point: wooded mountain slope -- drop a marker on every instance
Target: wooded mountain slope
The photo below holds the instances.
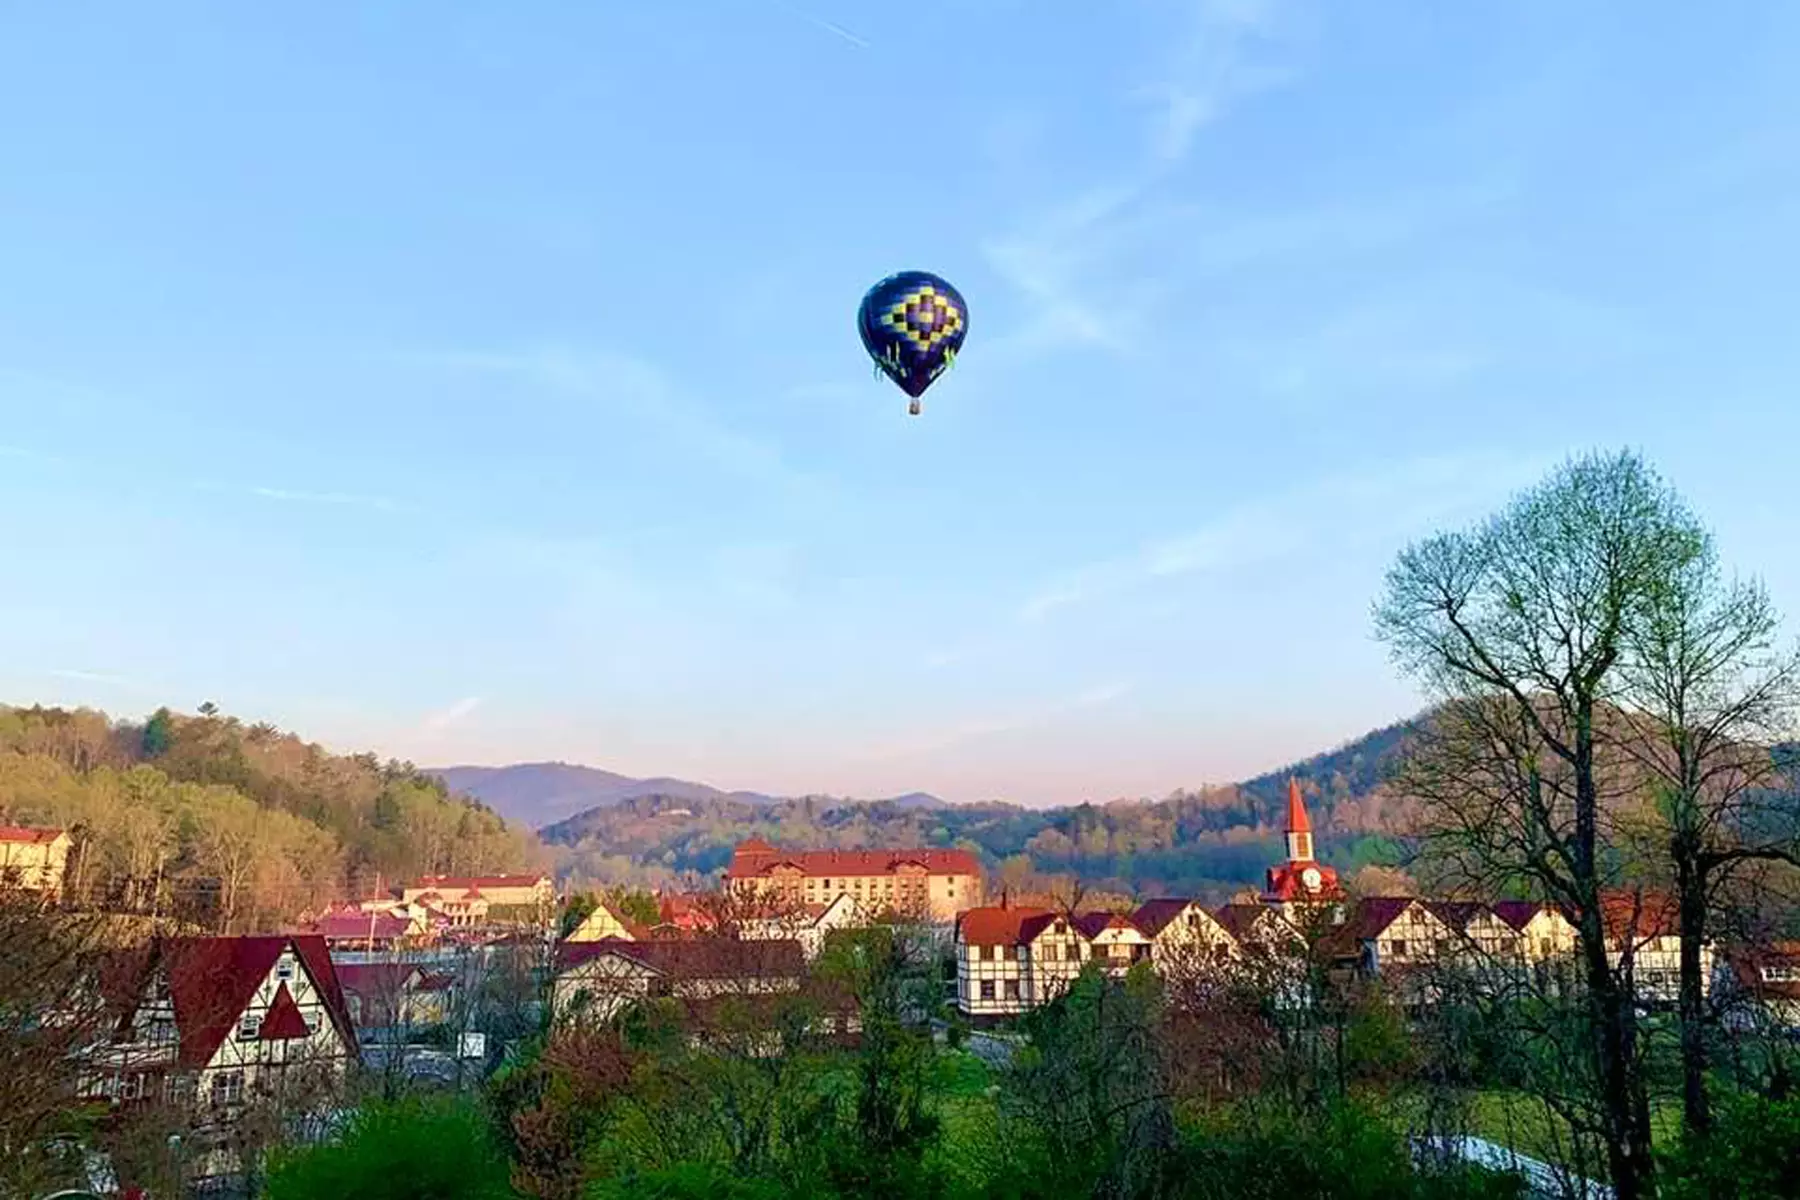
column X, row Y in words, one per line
column 1211, row 841
column 238, row 827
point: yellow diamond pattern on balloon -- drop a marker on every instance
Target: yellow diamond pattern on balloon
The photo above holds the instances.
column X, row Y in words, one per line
column 924, row 317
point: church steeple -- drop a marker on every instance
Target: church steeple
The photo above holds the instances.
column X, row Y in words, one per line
column 1299, row 825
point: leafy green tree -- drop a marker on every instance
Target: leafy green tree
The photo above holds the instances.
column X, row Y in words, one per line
column 159, row 733
column 407, row 1150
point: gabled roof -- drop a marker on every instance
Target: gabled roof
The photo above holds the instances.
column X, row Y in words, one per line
column 1518, row 913
column 1093, row 924
column 699, row 958
column 1244, row 921
column 1747, row 963
column 997, row 926
column 1153, row 916
column 756, row 858
column 283, row 1021
column 29, row 835
column 1458, row 914
column 346, row 926
column 376, row 981
column 212, row 980
column 1370, row 918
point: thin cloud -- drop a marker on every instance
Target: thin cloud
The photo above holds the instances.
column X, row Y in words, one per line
column 444, row 719
column 821, row 23
column 1383, row 500
column 643, row 390
column 1072, row 264
column 345, row 499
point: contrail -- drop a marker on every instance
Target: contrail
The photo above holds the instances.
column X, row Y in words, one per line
column 822, row 23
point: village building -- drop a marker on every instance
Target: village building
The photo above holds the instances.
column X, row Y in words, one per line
column 594, row 980
column 807, row 924
column 219, row 1021
column 1301, row 886
column 684, row 914
column 1643, row 940
column 532, row 893
column 605, row 923
column 1113, row 940
column 388, row 998
column 1010, row 959
column 1259, row 930
column 34, row 859
column 1392, row 933
column 1761, row 986
column 1545, row 934
column 371, row 929
column 1181, row 930
column 933, row 885
column 1481, row 936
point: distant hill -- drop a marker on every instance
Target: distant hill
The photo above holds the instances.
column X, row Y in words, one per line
column 1210, row 841
column 544, row 794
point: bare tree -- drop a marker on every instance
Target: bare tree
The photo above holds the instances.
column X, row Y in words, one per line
column 51, row 1012
column 1707, row 691
column 1520, row 627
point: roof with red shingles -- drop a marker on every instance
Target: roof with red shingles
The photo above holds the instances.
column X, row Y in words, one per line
column 350, row 926
column 1638, row 917
column 756, row 858
column 212, row 980
column 28, row 835
column 283, row 1021
column 1002, row 926
column 1518, row 913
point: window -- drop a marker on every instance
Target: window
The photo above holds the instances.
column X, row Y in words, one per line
column 131, row 1087
column 1012, row 989
column 162, row 1031
column 1019, row 953
column 228, row 1088
column 1053, row 952
column 285, row 968
column 249, row 1025
column 987, row 989
column 1400, row 948
column 1781, row 974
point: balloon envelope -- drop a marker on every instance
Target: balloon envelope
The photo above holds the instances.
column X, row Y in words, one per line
column 912, row 325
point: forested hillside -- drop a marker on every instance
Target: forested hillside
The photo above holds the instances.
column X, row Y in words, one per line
column 237, row 826
column 1210, row 841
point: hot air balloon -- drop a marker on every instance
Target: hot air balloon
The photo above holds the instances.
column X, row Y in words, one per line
column 912, row 325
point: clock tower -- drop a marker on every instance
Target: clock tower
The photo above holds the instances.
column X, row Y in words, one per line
column 1301, row 879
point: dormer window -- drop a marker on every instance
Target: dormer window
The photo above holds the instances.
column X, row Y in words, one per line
column 249, row 1026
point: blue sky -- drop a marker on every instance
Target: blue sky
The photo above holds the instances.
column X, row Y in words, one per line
column 479, row 383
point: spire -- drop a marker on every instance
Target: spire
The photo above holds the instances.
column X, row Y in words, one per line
column 1297, row 820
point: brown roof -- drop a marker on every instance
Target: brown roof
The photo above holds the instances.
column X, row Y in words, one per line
column 1518, row 913
column 348, row 926
column 996, row 926
column 1093, row 924
column 1240, row 920
column 1371, row 917
column 698, row 958
column 28, row 835
column 1153, row 916
column 757, row 858
column 1457, row 914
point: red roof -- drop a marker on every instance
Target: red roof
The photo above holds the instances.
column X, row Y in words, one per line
column 212, row 979
column 1631, row 917
column 283, row 1021
column 757, row 858
column 1297, row 820
column 996, row 926
column 1286, row 883
column 28, row 835
column 352, row 926
column 467, row 882
column 1457, row 914
column 1518, row 913
column 704, row 958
